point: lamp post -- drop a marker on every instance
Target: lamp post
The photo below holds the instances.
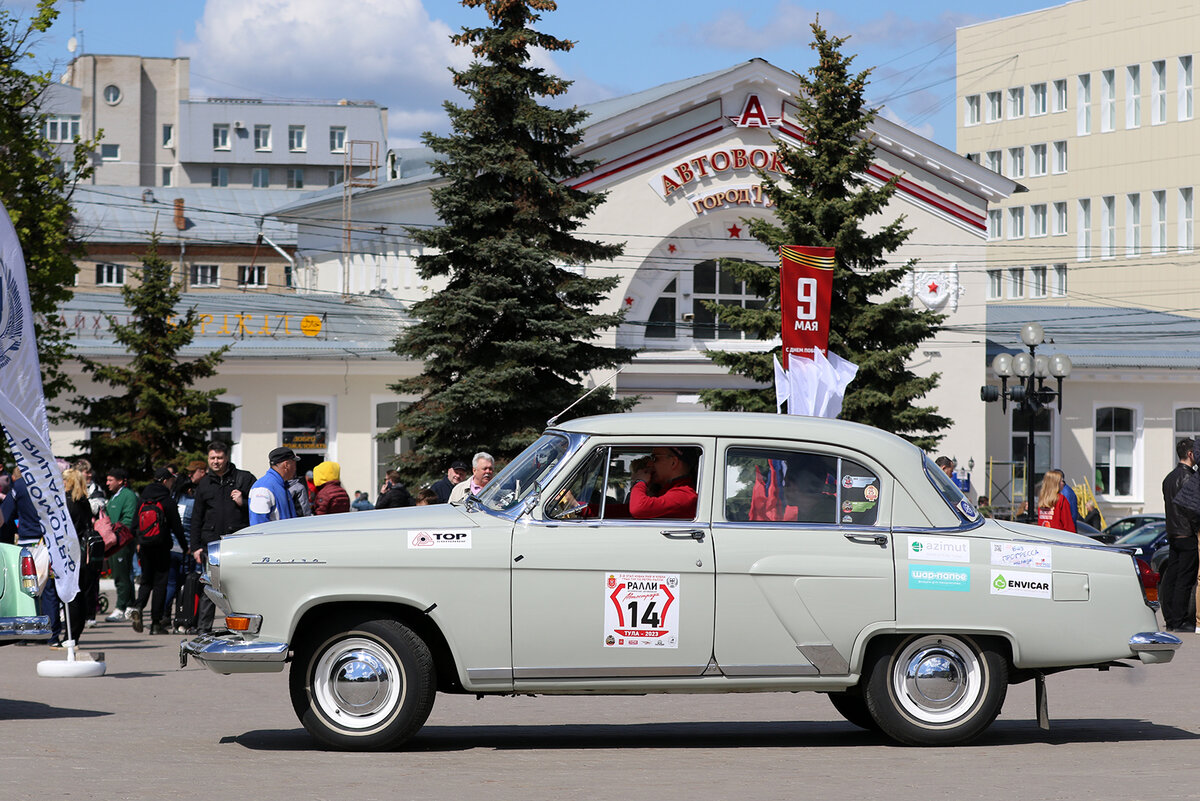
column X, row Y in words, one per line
column 1029, row 393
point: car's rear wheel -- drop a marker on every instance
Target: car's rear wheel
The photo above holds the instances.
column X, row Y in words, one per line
column 853, row 707
column 936, row 689
column 365, row 685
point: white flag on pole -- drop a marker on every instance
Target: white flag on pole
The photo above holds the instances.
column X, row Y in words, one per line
column 814, row 387
column 23, row 413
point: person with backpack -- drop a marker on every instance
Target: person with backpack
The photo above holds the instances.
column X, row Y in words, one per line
column 155, row 524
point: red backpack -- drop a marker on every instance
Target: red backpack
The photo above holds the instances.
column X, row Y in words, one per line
column 149, row 523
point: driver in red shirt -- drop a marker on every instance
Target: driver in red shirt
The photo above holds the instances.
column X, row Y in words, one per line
column 675, row 487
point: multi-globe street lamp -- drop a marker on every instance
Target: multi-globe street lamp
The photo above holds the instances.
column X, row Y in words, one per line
column 1029, row 393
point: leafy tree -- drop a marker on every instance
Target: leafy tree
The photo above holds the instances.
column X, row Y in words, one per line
column 505, row 343
column 156, row 415
column 824, row 201
column 36, row 188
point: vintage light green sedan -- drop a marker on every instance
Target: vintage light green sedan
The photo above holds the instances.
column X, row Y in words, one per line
column 19, row 617
column 656, row 553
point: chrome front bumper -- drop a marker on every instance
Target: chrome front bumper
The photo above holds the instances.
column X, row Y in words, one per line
column 229, row 653
column 24, row 628
column 1154, row 647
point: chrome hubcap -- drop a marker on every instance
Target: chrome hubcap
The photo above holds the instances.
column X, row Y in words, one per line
column 358, row 683
column 935, row 678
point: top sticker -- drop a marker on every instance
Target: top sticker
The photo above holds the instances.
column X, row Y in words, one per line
column 439, row 538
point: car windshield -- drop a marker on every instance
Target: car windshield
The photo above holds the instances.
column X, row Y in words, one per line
column 1143, row 535
column 950, row 492
column 531, row 468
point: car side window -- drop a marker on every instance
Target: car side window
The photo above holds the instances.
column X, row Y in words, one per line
column 791, row 486
column 603, row 487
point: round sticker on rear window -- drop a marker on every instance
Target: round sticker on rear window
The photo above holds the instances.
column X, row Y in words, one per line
column 968, row 509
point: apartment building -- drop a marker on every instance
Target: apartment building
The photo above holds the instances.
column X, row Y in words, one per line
column 1091, row 108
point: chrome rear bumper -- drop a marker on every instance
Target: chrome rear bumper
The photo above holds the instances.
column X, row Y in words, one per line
column 229, row 653
column 24, row 628
column 1154, row 647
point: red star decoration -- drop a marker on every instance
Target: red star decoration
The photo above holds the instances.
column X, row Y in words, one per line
column 670, row 248
column 933, row 287
column 628, row 301
column 734, row 231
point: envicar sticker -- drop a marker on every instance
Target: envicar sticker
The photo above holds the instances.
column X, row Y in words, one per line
column 1028, row 585
column 939, row 549
column 1020, row 554
column 439, row 538
column 641, row 610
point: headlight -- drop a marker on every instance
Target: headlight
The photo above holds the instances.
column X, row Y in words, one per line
column 214, row 564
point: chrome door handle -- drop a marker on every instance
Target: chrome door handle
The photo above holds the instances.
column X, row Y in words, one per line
column 684, row 534
column 868, row 539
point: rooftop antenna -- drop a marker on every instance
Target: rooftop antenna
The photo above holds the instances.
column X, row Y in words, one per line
column 554, row 419
column 73, row 43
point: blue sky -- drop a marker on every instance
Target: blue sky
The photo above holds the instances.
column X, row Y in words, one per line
column 397, row 51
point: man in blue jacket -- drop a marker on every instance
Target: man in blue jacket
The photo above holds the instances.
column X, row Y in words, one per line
column 269, row 497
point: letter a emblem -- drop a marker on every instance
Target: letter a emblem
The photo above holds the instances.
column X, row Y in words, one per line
column 753, row 116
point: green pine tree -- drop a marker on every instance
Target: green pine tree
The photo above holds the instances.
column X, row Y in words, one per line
column 505, row 344
column 36, row 187
column 824, row 202
column 156, row 415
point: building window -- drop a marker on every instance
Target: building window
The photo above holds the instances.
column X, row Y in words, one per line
column 1084, row 236
column 221, row 137
column 1185, row 88
column 1108, row 226
column 1037, row 282
column 1158, row 93
column 262, row 137
column 295, row 178
column 1158, row 230
column 252, row 275
column 337, row 134
column 61, row 129
column 1037, row 220
column 993, row 106
column 1016, row 282
column 995, row 224
column 205, row 275
column 110, row 152
column 974, row 111
column 1037, row 100
column 1060, row 95
column 1108, row 101
column 388, row 450
column 112, row 95
column 260, row 177
column 1083, row 105
column 1133, row 96
column 110, row 274
column 993, row 161
column 973, row 157
column 335, row 176
column 1016, row 162
column 1043, row 443
column 1037, row 154
column 305, row 429
column 1116, row 441
column 220, row 176
column 995, row 285
column 1016, row 223
column 1059, row 288
column 1186, row 218
column 1187, row 425
column 711, row 283
column 1060, row 157
column 1133, row 225
column 1016, row 102
column 168, row 135
column 661, row 322
column 1060, row 219
column 225, row 424
column 296, row 137
column 168, row 176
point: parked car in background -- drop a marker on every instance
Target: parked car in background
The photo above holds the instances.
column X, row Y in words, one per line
column 1125, row 525
column 19, row 617
column 1146, row 539
column 813, row 554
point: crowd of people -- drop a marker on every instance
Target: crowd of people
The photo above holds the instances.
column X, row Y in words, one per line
column 162, row 533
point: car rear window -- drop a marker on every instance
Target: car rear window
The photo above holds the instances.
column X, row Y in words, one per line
column 792, row 486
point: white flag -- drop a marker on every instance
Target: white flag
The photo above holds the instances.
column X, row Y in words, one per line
column 782, row 389
column 23, row 413
column 816, row 386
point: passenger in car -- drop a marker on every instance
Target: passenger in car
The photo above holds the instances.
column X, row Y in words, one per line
column 664, row 488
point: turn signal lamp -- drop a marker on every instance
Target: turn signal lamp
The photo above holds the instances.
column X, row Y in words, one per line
column 28, row 573
column 237, row 622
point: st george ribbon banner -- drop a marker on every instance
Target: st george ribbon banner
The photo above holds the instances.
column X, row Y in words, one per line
column 23, row 413
column 811, row 381
column 805, row 284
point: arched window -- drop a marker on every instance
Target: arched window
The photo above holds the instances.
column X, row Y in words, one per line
column 711, row 283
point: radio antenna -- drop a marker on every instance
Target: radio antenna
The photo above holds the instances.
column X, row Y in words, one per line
column 554, row 419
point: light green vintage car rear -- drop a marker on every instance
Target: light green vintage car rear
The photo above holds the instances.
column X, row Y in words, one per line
column 19, row 618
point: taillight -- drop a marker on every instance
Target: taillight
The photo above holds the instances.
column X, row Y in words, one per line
column 28, row 573
column 1148, row 578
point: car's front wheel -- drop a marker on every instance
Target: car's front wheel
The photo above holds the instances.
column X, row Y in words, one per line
column 363, row 685
column 936, row 689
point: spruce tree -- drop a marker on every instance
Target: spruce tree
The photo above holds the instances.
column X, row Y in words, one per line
column 155, row 416
column 825, row 201
column 505, row 344
column 36, row 187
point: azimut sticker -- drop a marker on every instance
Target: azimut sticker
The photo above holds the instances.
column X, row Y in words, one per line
column 939, row 549
column 439, row 538
column 1020, row 554
column 641, row 610
column 939, row 577
column 1027, row 585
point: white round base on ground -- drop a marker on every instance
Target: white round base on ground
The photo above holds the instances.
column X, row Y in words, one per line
column 71, row 668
